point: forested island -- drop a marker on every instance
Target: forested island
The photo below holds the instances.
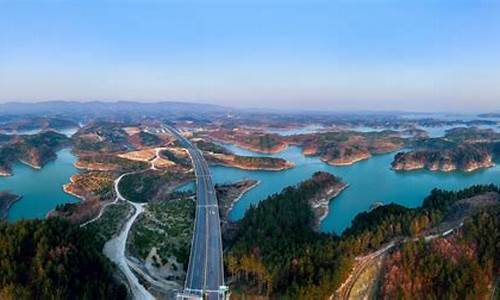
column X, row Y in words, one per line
column 347, row 147
column 219, row 155
column 249, row 162
column 465, row 149
column 253, row 140
column 466, row 157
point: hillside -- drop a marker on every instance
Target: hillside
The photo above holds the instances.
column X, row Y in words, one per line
column 52, row 259
column 35, row 150
column 465, row 149
column 277, row 254
column 347, row 147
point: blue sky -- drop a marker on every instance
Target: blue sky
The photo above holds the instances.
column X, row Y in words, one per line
column 335, row 55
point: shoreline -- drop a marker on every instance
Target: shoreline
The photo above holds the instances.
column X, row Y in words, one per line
column 272, row 151
column 29, row 164
column 341, row 164
column 250, row 148
column 66, row 190
column 424, row 168
column 5, row 212
column 5, row 174
column 86, row 167
column 327, row 206
column 67, row 185
column 292, row 165
column 237, row 199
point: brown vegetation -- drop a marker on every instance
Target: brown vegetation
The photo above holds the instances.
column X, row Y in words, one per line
column 347, row 147
column 252, row 140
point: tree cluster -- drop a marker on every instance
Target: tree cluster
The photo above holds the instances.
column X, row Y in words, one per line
column 52, row 259
column 277, row 253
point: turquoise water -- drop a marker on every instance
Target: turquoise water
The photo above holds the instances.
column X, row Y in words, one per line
column 369, row 181
column 41, row 189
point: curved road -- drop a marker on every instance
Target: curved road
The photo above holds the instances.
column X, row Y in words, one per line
column 205, row 275
column 115, row 248
column 118, row 197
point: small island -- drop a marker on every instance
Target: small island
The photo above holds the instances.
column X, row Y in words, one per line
column 253, row 140
column 249, row 162
column 464, row 149
column 218, row 155
column 464, row 158
column 347, row 147
column 6, row 201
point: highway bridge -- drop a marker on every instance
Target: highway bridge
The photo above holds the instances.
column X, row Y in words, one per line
column 205, row 274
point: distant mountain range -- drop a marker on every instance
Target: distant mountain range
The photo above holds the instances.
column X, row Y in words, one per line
column 489, row 115
column 101, row 107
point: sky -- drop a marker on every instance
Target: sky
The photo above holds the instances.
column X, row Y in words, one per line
column 424, row 55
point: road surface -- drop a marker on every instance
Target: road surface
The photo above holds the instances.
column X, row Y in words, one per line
column 205, row 274
column 118, row 197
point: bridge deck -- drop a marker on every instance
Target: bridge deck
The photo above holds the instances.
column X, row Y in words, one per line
column 205, row 273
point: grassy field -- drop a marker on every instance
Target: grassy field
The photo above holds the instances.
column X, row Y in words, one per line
column 167, row 227
column 149, row 185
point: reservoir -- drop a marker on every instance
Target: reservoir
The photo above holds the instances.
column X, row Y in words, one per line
column 41, row 190
column 369, row 181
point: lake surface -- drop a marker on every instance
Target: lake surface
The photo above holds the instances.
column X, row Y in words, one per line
column 369, row 181
column 41, row 189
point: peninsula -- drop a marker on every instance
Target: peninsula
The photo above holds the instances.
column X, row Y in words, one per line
column 6, row 201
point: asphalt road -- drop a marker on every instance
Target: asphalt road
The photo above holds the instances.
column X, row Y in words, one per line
column 205, row 273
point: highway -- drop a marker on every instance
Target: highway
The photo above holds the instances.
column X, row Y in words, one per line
column 205, row 274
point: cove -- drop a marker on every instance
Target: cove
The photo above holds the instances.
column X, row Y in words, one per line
column 369, row 181
column 41, row 190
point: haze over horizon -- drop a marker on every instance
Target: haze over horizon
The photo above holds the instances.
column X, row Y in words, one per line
column 363, row 55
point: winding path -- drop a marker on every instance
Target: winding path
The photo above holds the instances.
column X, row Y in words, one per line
column 115, row 248
column 117, row 198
